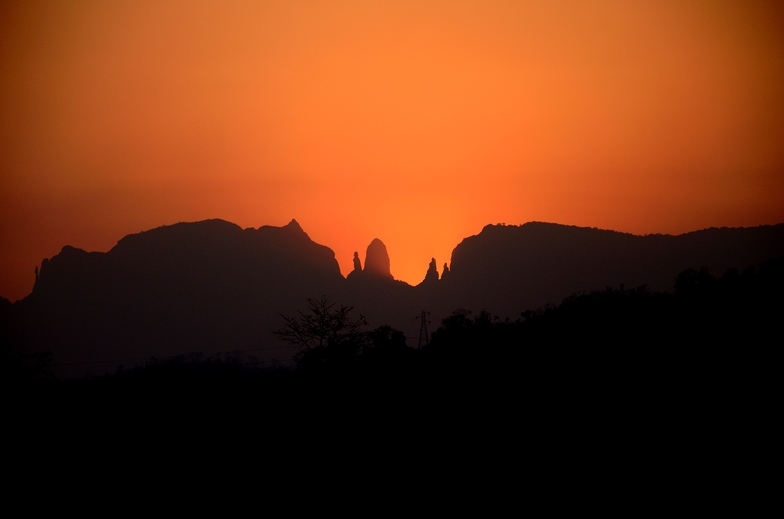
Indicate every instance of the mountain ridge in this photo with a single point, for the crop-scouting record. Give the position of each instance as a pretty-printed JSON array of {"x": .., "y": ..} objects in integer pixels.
[
  {"x": 295, "y": 229},
  {"x": 212, "y": 286}
]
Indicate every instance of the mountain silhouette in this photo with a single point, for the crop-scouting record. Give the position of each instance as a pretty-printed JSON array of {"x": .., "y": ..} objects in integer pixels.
[
  {"x": 206, "y": 286},
  {"x": 211, "y": 286},
  {"x": 375, "y": 293},
  {"x": 505, "y": 267}
]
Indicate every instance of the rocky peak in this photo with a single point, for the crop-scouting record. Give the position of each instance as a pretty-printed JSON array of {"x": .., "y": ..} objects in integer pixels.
[
  {"x": 432, "y": 272},
  {"x": 293, "y": 225},
  {"x": 377, "y": 260}
]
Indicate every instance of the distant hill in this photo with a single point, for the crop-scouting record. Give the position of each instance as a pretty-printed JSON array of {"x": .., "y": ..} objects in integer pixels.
[
  {"x": 508, "y": 268},
  {"x": 213, "y": 287},
  {"x": 191, "y": 287}
]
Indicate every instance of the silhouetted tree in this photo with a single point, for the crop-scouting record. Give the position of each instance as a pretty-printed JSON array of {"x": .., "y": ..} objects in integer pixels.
[{"x": 326, "y": 333}]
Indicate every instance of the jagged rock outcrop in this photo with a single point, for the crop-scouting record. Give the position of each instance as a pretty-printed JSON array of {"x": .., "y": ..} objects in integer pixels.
[
  {"x": 357, "y": 263},
  {"x": 432, "y": 272},
  {"x": 377, "y": 260},
  {"x": 445, "y": 273},
  {"x": 357, "y": 272}
]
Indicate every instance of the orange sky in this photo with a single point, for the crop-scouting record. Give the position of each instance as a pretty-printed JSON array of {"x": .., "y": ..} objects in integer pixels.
[{"x": 414, "y": 122}]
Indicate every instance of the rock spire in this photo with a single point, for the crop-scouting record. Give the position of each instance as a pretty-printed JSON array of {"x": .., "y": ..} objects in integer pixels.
[
  {"x": 432, "y": 272},
  {"x": 377, "y": 260}
]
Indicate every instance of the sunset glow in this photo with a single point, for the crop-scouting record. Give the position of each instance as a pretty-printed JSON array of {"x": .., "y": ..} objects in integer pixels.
[{"x": 414, "y": 122}]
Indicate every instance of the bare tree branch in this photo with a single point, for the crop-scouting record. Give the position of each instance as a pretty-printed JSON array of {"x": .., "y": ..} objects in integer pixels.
[{"x": 323, "y": 324}]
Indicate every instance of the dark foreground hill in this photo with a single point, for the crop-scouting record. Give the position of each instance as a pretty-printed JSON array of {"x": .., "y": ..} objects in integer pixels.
[
  {"x": 663, "y": 391},
  {"x": 634, "y": 382},
  {"x": 213, "y": 287}
]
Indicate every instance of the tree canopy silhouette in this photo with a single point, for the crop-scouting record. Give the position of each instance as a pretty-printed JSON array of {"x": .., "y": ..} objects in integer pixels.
[{"x": 325, "y": 332}]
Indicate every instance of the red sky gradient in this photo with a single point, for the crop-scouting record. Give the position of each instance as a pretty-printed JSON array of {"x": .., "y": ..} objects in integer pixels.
[{"x": 415, "y": 122}]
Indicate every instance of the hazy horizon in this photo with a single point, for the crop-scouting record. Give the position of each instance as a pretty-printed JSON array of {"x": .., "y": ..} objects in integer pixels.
[
  {"x": 417, "y": 123},
  {"x": 361, "y": 250}
]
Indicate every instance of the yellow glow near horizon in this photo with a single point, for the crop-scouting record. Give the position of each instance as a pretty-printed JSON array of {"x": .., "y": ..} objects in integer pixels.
[{"x": 414, "y": 122}]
